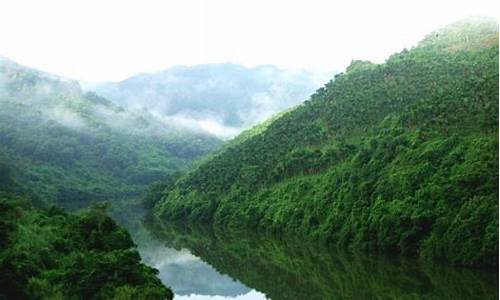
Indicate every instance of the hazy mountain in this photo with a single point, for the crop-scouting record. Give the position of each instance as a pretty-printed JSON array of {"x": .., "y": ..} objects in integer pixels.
[
  {"x": 73, "y": 147},
  {"x": 220, "y": 98},
  {"x": 395, "y": 157}
]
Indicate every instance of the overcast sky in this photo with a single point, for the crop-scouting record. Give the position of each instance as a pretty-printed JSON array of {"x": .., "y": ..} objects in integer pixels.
[{"x": 98, "y": 40}]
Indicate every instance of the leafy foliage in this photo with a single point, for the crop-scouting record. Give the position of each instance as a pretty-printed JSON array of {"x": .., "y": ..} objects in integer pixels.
[
  {"x": 400, "y": 157},
  {"x": 49, "y": 254}
]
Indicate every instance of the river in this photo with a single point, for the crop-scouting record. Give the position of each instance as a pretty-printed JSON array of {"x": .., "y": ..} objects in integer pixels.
[{"x": 203, "y": 264}]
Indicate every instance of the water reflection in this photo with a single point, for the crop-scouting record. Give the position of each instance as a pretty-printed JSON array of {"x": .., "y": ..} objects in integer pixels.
[
  {"x": 252, "y": 295},
  {"x": 294, "y": 270},
  {"x": 188, "y": 276}
]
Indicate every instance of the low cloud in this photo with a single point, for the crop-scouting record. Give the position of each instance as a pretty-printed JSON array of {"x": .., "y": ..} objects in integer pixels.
[
  {"x": 219, "y": 99},
  {"x": 210, "y": 125},
  {"x": 65, "y": 117}
]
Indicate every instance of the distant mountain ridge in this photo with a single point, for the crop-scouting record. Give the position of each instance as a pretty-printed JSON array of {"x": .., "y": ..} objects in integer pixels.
[{"x": 221, "y": 98}]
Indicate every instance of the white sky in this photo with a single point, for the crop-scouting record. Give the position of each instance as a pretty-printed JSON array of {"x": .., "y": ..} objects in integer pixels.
[{"x": 98, "y": 40}]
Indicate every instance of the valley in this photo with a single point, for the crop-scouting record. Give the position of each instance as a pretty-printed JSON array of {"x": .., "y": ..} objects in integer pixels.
[{"x": 221, "y": 181}]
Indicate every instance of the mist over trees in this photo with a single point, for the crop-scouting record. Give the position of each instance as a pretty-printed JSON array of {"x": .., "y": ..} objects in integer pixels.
[
  {"x": 223, "y": 99},
  {"x": 73, "y": 148}
]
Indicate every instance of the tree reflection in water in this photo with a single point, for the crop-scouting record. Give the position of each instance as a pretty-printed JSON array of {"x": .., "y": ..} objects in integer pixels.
[{"x": 298, "y": 270}]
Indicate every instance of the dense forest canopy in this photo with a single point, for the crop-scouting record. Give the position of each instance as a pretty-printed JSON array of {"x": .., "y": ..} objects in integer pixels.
[
  {"x": 394, "y": 157},
  {"x": 73, "y": 148},
  {"x": 46, "y": 253}
]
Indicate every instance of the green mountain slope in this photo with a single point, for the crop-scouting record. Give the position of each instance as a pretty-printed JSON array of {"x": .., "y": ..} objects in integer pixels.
[
  {"x": 72, "y": 148},
  {"x": 400, "y": 156}
]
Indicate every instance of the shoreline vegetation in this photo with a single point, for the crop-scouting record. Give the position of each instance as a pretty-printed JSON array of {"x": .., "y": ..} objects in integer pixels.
[{"x": 47, "y": 253}]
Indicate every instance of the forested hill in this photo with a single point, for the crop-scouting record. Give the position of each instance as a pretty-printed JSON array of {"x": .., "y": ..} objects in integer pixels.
[
  {"x": 73, "y": 148},
  {"x": 400, "y": 157}
]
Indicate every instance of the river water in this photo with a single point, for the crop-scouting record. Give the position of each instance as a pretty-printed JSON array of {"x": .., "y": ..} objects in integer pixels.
[{"x": 203, "y": 264}]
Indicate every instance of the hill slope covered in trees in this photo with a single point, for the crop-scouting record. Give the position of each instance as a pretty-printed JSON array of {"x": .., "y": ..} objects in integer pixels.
[
  {"x": 73, "y": 148},
  {"x": 400, "y": 157}
]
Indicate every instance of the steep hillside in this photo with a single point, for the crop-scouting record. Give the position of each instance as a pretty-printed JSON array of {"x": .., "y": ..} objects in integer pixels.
[
  {"x": 400, "y": 157},
  {"x": 73, "y": 148},
  {"x": 223, "y": 98}
]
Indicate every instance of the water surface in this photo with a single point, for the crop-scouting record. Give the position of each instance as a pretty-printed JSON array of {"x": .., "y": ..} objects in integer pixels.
[{"x": 205, "y": 264}]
